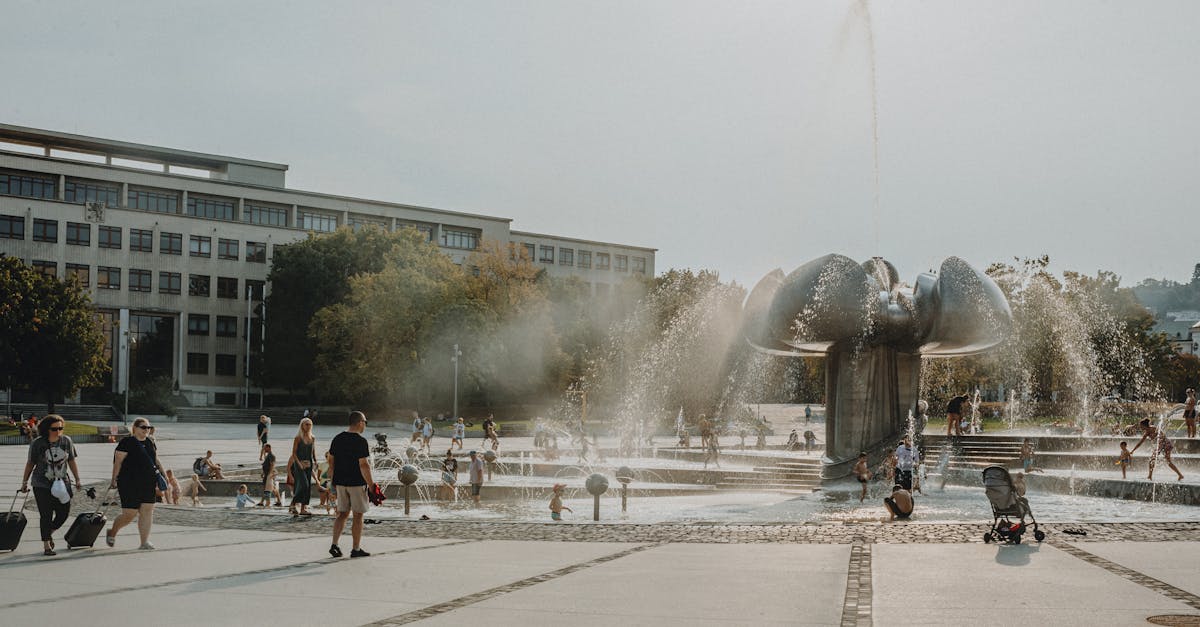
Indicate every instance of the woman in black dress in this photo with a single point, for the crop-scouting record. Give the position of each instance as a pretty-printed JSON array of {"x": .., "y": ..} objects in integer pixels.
[{"x": 134, "y": 475}]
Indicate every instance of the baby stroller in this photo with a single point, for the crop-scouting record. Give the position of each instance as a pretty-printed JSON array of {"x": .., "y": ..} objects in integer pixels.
[
  {"x": 1007, "y": 502},
  {"x": 381, "y": 446}
]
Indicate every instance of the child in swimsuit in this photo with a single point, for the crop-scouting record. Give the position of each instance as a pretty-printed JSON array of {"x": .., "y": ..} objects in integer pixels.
[
  {"x": 863, "y": 474},
  {"x": 1125, "y": 458}
]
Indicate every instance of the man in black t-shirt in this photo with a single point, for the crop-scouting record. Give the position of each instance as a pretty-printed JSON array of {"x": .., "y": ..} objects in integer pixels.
[{"x": 350, "y": 476}]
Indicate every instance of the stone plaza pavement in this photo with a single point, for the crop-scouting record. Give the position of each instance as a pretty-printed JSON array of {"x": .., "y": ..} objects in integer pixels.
[{"x": 222, "y": 567}]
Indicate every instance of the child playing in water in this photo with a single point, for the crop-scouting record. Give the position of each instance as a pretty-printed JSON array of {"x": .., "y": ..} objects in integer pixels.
[
  {"x": 1125, "y": 458},
  {"x": 194, "y": 489},
  {"x": 173, "y": 490},
  {"x": 243, "y": 497},
  {"x": 556, "y": 504},
  {"x": 862, "y": 474}
]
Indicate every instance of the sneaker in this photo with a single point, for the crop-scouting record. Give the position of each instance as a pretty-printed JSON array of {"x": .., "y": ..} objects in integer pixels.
[
  {"x": 146, "y": 546},
  {"x": 334, "y": 550},
  {"x": 110, "y": 539},
  {"x": 359, "y": 553}
]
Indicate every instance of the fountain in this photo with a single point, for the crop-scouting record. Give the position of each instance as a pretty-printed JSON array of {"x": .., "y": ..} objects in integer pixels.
[{"x": 873, "y": 332}]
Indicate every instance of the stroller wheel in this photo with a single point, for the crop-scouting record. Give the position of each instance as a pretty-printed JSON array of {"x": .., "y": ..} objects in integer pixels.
[
  {"x": 987, "y": 538},
  {"x": 1039, "y": 535},
  {"x": 1016, "y": 539}
]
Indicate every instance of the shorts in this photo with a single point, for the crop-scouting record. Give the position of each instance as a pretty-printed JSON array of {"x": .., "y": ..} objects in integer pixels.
[
  {"x": 475, "y": 488},
  {"x": 891, "y": 505},
  {"x": 456, "y": 439},
  {"x": 861, "y": 479},
  {"x": 1026, "y": 464},
  {"x": 134, "y": 495},
  {"x": 449, "y": 477},
  {"x": 1189, "y": 414},
  {"x": 352, "y": 498},
  {"x": 555, "y": 515},
  {"x": 262, "y": 438}
]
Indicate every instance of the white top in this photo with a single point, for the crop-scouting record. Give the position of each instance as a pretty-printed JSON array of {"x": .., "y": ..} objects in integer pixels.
[
  {"x": 460, "y": 430},
  {"x": 428, "y": 430},
  {"x": 905, "y": 457}
]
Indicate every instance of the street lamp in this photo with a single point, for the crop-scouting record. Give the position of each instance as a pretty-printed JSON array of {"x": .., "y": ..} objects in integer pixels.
[{"x": 454, "y": 358}]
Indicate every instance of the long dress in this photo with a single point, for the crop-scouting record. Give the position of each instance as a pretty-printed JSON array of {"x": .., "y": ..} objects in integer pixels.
[{"x": 302, "y": 477}]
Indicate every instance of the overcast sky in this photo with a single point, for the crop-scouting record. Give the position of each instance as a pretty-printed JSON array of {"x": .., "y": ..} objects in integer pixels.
[{"x": 735, "y": 136}]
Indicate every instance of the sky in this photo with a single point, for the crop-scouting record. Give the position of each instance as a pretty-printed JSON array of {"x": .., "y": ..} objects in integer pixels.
[{"x": 733, "y": 136}]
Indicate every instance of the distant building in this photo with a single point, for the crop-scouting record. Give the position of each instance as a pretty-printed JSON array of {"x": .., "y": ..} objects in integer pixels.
[
  {"x": 1182, "y": 330},
  {"x": 174, "y": 246}
]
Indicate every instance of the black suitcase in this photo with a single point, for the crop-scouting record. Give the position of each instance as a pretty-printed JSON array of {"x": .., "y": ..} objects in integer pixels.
[
  {"x": 87, "y": 527},
  {"x": 12, "y": 525}
]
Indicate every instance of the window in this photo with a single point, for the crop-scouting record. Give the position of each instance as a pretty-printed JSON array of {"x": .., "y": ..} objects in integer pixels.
[
  {"x": 109, "y": 237},
  {"x": 13, "y": 227},
  {"x": 585, "y": 259},
  {"x": 200, "y": 246},
  {"x": 169, "y": 282},
  {"x": 198, "y": 285},
  {"x": 226, "y": 326},
  {"x": 28, "y": 184},
  {"x": 80, "y": 273},
  {"x": 224, "y": 398},
  {"x": 530, "y": 251},
  {"x": 566, "y": 256},
  {"x": 424, "y": 229},
  {"x": 226, "y": 365},
  {"x": 79, "y": 234},
  {"x": 360, "y": 222},
  {"x": 210, "y": 207},
  {"x": 108, "y": 278},
  {"x": 255, "y": 289},
  {"x": 197, "y": 363},
  {"x": 227, "y": 287},
  {"x": 139, "y": 280},
  {"x": 256, "y": 252},
  {"x": 158, "y": 200},
  {"x": 639, "y": 265},
  {"x": 465, "y": 240},
  {"x": 256, "y": 213},
  {"x": 601, "y": 261},
  {"x": 170, "y": 243},
  {"x": 48, "y": 268},
  {"x": 227, "y": 249},
  {"x": 320, "y": 222},
  {"x": 197, "y": 324},
  {"x": 547, "y": 255},
  {"x": 622, "y": 263},
  {"x": 92, "y": 191},
  {"x": 44, "y": 230},
  {"x": 141, "y": 240}
]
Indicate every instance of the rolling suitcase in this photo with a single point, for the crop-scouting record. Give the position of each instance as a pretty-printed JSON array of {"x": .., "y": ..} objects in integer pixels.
[
  {"x": 87, "y": 527},
  {"x": 12, "y": 525}
]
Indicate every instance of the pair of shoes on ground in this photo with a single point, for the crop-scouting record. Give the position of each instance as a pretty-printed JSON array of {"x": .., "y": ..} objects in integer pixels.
[{"x": 335, "y": 551}]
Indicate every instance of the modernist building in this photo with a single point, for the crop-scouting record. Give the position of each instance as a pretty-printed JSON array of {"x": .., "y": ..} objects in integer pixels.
[{"x": 174, "y": 246}]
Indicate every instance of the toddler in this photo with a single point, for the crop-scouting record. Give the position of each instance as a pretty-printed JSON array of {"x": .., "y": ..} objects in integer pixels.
[
  {"x": 243, "y": 497},
  {"x": 1125, "y": 458},
  {"x": 556, "y": 504}
]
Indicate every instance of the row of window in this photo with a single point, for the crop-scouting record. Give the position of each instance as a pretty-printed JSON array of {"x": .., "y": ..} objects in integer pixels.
[
  {"x": 226, "y": 365},
  {"x": 226, "y": 325},
  {"x": 567, "y": 257},
  {"x": 109, "y": 278},
  {"x": 140, "y": 240}
]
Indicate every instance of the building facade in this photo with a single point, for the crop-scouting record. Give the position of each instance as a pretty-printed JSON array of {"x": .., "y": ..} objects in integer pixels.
[{"x": 174, "y": 247}]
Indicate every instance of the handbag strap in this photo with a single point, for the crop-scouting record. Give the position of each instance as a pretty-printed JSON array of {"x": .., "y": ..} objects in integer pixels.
[{"x": 153, "y": 466}]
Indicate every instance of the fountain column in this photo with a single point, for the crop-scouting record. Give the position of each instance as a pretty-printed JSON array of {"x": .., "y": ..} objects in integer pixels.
[{"x": 869, "y": 393}]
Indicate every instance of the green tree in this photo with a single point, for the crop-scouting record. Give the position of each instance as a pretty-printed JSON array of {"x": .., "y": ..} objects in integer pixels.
[
  {"x": 307, "y": 276},
  {"x": 51, "y": 343}
]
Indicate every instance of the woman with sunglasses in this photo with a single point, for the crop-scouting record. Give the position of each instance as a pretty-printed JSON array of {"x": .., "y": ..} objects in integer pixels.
[
  {"x": 134, "y": 475},
  {"x": 50, "y": 455}
]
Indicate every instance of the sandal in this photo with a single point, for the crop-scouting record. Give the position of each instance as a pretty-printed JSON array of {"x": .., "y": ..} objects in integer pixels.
[
  {"x": 49, "y": 552},
  {"x": 110, "y": 539}
]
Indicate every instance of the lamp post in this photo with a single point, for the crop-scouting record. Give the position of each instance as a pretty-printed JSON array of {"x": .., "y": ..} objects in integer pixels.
[{"x": 454, "y": 358}]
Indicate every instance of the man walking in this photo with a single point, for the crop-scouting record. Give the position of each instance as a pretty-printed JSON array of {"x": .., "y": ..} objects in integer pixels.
[
  {"x": 906, "y": 459},
  {"x": 350, "y": 474}
]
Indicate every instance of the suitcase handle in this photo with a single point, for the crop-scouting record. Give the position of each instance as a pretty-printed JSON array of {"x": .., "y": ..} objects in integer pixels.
[
  {"x": 100, "y": 502},
  {"x": 14, "y": 501}
]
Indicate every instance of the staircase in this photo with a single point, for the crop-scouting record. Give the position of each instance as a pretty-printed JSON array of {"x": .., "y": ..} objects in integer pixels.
[
  {"x": 972, "y": 453},
  {"x": 211, "y": 414},
  {"x": 800, "y": 475}
]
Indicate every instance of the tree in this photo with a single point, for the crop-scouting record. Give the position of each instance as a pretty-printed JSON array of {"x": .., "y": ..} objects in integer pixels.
[
  {"x": 51, "y": 343},
  {"x": 307, "y": 276}
]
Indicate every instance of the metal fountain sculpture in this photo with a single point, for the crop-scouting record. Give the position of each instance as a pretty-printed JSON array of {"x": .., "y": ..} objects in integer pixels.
[{"x": 873, "y": 332}]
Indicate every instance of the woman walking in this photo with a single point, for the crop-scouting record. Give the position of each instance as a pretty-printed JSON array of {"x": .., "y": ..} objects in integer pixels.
[
  {"x": 302, "y": 466},
  {"x": 135, "y": 476},
  {"x": 50, "y": 455}
]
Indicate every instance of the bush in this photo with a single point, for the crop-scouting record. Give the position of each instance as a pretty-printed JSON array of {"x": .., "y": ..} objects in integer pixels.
[{"x": 152, "y": 397}]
